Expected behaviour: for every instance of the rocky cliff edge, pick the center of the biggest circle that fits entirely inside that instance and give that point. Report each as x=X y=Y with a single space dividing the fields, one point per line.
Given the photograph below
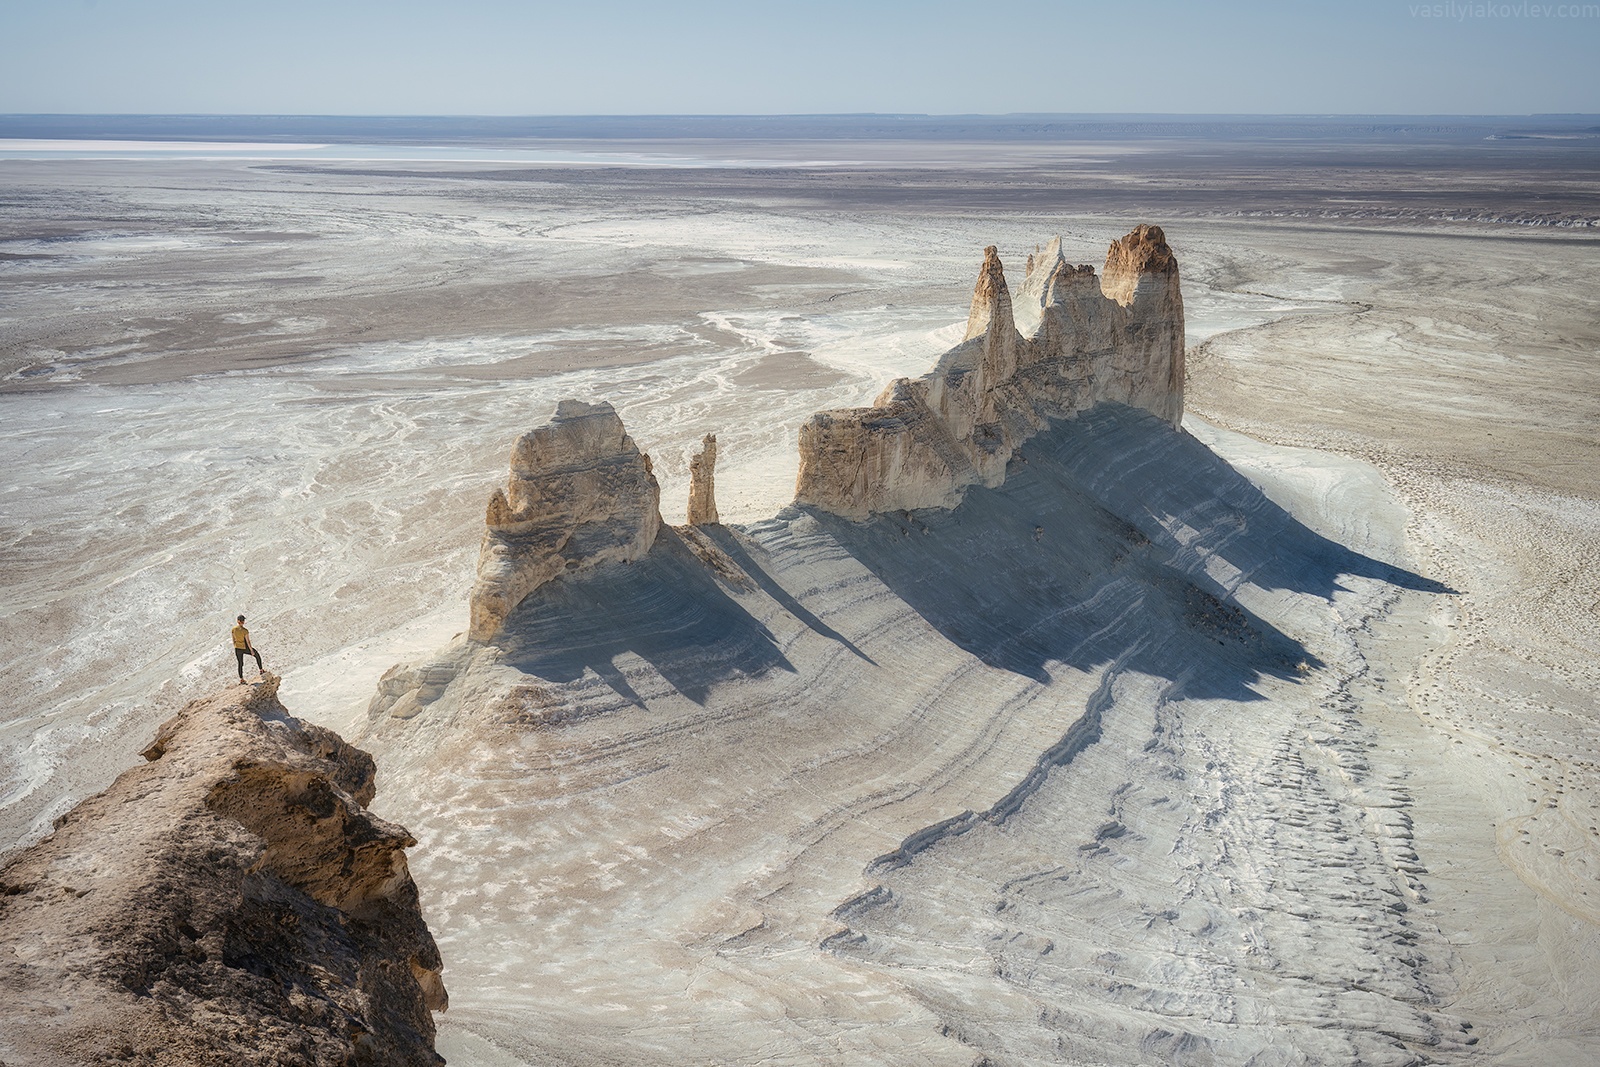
x=230 y=902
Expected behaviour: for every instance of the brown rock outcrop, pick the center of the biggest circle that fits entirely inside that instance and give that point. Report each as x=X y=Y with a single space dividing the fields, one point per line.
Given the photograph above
x=1114 y=339
x=230 y=902
x=702 y=484
x=581 y=493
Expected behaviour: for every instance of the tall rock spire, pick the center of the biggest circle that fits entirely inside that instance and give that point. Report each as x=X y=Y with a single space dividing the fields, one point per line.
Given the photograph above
x=702 y=484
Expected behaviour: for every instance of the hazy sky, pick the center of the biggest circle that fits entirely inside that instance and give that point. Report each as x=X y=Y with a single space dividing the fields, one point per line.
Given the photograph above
x=754 y=56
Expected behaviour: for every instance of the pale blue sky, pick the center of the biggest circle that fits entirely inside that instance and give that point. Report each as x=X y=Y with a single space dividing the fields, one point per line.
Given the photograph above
x=756 y=57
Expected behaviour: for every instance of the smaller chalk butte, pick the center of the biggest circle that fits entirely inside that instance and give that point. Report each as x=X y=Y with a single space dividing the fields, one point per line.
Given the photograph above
x=229 y=901
x=923 y=442
x=581 y=493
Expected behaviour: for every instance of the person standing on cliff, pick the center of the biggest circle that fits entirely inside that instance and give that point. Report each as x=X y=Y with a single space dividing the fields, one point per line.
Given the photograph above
x=242 y=648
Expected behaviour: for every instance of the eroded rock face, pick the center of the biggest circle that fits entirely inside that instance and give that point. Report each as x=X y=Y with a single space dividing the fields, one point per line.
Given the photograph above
x=1116 y=339
x=232 y=901
x=581 y=493
x=1141 y=275
x=702 y=484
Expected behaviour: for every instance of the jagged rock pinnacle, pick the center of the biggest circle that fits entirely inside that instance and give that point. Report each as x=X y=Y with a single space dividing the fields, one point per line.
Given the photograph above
x=702 y=484
x=923 y=442
x=990 y=297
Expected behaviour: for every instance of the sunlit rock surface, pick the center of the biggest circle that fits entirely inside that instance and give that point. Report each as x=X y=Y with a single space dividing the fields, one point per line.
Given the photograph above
x=1118 y=339
x=581 y=493
x=703 y=484
x=231 y=901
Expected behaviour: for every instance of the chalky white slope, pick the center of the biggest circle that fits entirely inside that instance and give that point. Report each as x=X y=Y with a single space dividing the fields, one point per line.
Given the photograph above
x=1075 y=771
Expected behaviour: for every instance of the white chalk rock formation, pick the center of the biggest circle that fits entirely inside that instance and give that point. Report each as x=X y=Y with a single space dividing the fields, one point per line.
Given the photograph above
x=702 y=484
x=581 y=493
x=1116 y=339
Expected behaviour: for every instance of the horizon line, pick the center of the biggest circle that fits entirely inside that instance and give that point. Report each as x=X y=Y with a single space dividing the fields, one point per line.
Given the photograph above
x=1125 y=115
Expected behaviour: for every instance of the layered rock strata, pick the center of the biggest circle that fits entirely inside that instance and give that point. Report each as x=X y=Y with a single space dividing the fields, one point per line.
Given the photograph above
x=1117 y=338
x=231 y=901
x=581 y=493
x=702 y=484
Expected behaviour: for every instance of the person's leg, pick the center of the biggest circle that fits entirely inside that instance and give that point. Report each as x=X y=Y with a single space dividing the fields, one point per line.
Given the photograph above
x=259 y=668
x=238 y=654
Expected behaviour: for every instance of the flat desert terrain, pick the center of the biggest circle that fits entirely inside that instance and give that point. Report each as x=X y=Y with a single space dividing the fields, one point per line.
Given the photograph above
x=1347 y=813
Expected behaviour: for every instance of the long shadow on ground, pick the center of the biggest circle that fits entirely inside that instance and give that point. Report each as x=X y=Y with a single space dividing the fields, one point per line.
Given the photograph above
x=1102 y=543
x=666 y=609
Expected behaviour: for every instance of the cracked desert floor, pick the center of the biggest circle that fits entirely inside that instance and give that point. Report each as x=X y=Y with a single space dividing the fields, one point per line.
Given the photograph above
x=983 y=786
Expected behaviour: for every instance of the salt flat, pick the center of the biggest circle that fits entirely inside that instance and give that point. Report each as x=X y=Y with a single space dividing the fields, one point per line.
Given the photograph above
x=235 y=387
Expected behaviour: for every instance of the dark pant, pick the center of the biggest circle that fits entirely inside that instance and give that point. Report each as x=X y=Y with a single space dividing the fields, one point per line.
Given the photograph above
x=240 y=653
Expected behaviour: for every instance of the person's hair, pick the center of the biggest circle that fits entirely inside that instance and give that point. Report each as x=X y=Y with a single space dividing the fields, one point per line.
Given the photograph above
x=241 y=618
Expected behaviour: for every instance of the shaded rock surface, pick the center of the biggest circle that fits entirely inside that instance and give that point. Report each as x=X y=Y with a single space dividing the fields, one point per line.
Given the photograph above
x=580 y=493
x=231 y=901
x=1092 y=340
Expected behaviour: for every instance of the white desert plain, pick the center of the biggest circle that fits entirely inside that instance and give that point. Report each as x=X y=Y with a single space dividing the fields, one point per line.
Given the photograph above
x=1250 y=716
